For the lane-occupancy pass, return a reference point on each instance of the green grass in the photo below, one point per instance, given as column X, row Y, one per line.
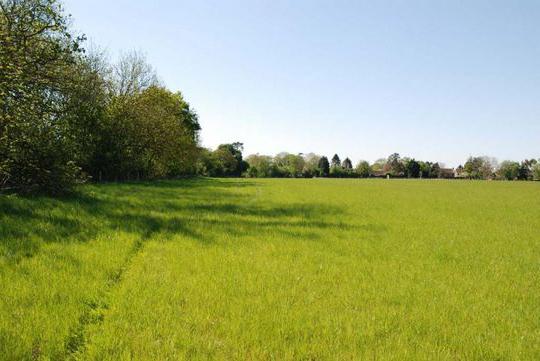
column 288, row 269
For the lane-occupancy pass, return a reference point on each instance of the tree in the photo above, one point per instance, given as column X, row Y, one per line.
column 337, row 172
column 394, row 166
column 412, row 169
column 336, row 162
column 487, row 168
column 229, row 159
column 425, row 169
column 363, row 169
column 295, row 163
column 508, row 170
column 65, row 113
column 289, row 165
column 311, row 165
column 147, row 135
column 473, row 167
column 87, row 98
column 346, row 169
column 479, row 167
column 324, row 167
column 133, row 74
column 536, row 170
column 260, row 166
column 378, row 165
column 282, row 166
column 169, row 142
column 206, row 163
column 525, row 169
column 227, row 164
column 37, row 52
column 435, row 170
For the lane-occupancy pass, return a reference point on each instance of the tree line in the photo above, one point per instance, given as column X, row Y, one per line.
column 490, row 168
column 68, row 115
column 313, row 165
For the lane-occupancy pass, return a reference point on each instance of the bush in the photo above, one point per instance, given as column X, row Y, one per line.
column 38, row 160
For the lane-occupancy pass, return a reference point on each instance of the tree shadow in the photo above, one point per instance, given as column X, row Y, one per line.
column 201, row 209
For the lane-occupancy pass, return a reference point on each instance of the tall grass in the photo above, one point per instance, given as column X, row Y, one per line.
column 273, row 269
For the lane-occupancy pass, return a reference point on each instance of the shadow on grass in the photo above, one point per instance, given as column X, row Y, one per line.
column 200, row 209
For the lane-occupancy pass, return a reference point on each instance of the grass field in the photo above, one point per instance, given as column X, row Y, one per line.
column 234, row 269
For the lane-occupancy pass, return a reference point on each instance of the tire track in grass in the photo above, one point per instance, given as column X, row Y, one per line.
column 94, row 309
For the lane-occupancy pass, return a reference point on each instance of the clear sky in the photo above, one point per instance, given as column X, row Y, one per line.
column 434, row 80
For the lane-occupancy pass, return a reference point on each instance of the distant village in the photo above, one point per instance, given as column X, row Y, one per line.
column 395, row 166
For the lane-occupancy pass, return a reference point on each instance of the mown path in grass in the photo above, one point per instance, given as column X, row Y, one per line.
column 273, row 269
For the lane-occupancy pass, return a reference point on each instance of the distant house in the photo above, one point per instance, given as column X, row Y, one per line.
column 460, row 172
column 380, row 173
column 446, row 173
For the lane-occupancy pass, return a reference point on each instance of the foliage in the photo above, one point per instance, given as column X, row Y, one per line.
column 336, row 162
column 226, row 161
column 289, row 165
column 324, row 167
column 412, row 168
column 37, row 54
column 132, row 75
column 65, row 114
column 148, row 135
column 311, row 165
column 378, row 165
column 435, row 170
column 394, row 165
column 336, row 172
column 340, row 169
column 283, row 165
column 509, row 170
column 363, row 169
column 526, row 169
column 479, row 168
column 260, row 166
column 536, row 170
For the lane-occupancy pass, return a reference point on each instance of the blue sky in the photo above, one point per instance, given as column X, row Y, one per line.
column 434, row 80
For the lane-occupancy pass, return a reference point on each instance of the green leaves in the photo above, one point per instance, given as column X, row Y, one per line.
column 63, row 113
column 37, row 51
